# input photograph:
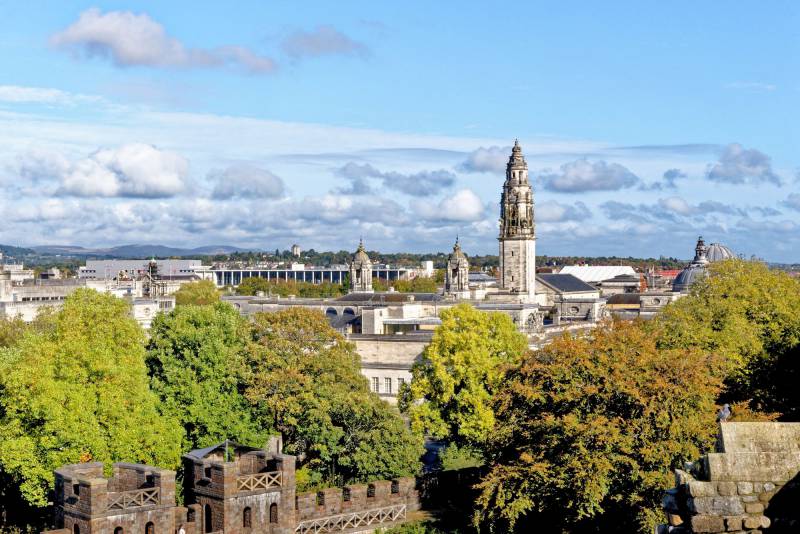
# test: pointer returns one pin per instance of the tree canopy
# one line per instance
(78, 391)
(749, 315)
(196, 359)
(461, 369)
(200, 293)
(589, 428)
(307, 383)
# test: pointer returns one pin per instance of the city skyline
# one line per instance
(143, 123)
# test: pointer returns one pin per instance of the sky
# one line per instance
(262, 124)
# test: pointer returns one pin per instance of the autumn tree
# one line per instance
(196, 360)
(749, 315)
(306, 383)
(200, 293)
(451, 392)
(78, 391)
(590, 427)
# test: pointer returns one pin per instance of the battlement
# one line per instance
(230, 488)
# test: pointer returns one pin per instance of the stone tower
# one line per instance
(517, 233)
(456, 277)
(361, 271)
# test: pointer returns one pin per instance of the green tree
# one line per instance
(589, 428)
(452, 387)
(306, 382)
(78, 391)
(748, 315)
(200, 293)
(197, 367)
(252, 285)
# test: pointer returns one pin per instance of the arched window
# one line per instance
(331, 312)
(150, 528)
(247, 518)
(118, 530)
(76, 529)
(273, 513)
(209, 520)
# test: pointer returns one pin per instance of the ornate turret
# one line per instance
(700, 252)
(361, 271)
(517, 228)
(456, 277)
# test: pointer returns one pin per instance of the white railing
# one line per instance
(122, 500)
(338, 523)
(259, 481)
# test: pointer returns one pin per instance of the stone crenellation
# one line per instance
(230, 489)
(749, 485)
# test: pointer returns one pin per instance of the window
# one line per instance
(387, 385)
(150, 528)
(207, 472)
(320, 499)
(400, 382)
(376, 384)
(346, 494)
(76, 529)
(76, 489)
(209, 520)
(247, 517)
(273, 513)
(370, 490)
(118, 530)
(395, 486)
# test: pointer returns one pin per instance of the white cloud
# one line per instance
(130, 39)
(245, 181)
(323, 40)
(553, 211)
(491, 159)
(43, 95)
(583, 175)
(739, 165)
(752, 86)
(132, 170)
(463, 206)
(418, 184)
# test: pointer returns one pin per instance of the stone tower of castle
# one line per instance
(517, 232)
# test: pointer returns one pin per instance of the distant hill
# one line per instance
(9, 250)
(134, 251)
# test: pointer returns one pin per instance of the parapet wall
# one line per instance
(357, 498)
(750, 484)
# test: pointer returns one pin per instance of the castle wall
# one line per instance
(751, 484)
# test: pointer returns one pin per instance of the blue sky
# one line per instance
(260, 124)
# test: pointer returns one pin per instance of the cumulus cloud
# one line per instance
(491, 159)
(463, 206)
(739, 165)
(553, 211)
(132, 170)
(245, 181)
(417, 184)
(130, 39)
(583, 175)
(792, 202)
(322, 41)
(668, 181)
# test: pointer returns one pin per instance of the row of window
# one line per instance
(387, 385)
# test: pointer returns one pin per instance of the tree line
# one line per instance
(582, 435)
(85, 384)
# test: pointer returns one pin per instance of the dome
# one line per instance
(361, 257)
(457, 255)
(717, 252)
(688, 276)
